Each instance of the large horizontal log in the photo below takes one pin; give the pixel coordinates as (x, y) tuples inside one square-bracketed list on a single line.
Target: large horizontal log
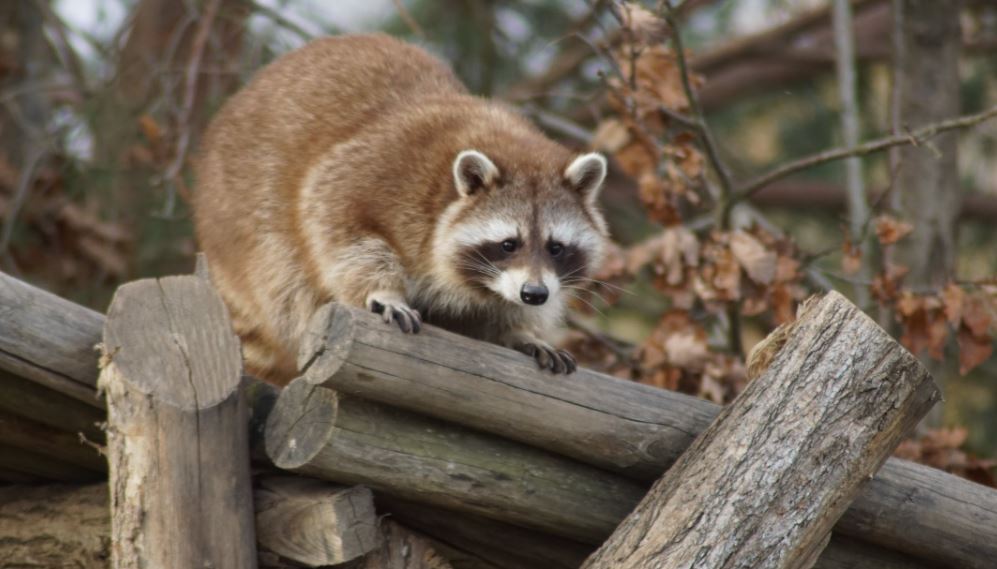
[(908, 507), (321, 433), (763, 485), (24, 434), (631, 428), (68, 525)]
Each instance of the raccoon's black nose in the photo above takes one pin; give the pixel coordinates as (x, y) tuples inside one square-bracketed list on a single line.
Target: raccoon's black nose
[(535, 294)]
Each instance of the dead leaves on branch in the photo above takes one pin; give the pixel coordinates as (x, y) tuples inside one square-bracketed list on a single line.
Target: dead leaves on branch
[(942, 449)]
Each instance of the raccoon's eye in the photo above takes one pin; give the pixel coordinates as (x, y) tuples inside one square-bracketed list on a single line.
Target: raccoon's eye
[(555, 248), (509, 245)]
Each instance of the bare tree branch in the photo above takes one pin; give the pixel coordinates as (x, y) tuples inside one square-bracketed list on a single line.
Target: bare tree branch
[(914, 138)]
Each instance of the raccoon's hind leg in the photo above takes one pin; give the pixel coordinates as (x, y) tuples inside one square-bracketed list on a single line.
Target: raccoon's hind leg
[(369, 274)]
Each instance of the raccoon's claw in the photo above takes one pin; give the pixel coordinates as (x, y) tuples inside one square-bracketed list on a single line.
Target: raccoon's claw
[(548, 357), (409, 320)]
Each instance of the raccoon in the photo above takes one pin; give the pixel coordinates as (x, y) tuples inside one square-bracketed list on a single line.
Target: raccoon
[(358, 169)]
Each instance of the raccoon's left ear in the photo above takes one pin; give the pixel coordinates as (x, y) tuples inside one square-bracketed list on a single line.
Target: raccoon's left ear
[(473, 171), (585, 175)]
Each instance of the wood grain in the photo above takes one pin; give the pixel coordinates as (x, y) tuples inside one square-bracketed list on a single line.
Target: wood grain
[(313, 522), (764, 484), (177, 440), (317, 432)]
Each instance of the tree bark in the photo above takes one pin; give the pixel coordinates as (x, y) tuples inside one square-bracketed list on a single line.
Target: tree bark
[(177, 440), (313, 522), (764, 484), (317, 432), (402, 549)]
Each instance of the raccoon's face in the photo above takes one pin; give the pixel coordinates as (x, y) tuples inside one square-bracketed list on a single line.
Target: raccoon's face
[(525, 237)]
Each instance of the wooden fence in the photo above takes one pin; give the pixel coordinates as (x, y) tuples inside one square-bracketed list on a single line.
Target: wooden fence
[(480, 459)]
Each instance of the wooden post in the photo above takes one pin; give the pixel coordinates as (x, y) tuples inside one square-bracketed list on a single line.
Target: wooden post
[(321, 433), (177, 440), (762, 486), (628, 427), (313, 522)]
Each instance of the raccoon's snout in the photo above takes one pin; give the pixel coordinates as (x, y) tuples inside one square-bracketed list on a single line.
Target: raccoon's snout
[(535, 294)]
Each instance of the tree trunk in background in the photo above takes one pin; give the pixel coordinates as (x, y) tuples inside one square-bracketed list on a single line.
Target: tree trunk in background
[(166, 72), (928, 179), (22, 58)]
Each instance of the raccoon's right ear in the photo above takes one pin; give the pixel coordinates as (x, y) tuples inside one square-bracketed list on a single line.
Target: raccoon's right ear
[(473, 171)]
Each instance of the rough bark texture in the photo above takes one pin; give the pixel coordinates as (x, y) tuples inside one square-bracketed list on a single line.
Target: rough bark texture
[(402, 549), (766, 481), (909, 507), (320, 433), (313, 522), (42, 527), (485, 540), (177, 441)]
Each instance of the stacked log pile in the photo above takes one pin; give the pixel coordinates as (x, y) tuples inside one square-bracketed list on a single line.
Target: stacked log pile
[(488, 462)]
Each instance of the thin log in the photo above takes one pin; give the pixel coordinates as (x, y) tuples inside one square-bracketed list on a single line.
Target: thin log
[(402, 549), (177, 440), (627, 427), (619, 425), (35, 319), (55, 526), (764, 484), (495, 543), (321, 433), (40, 467), (22, 397), (313, 522)]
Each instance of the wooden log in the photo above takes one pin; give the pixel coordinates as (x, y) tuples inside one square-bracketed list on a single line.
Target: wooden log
[(21, 433), (33, 321), (177, 440), (403, 549), (313, 522), (321, 433), (622, 425), (764, 484), (494, 543), (44, 468), (54, 526), (22, 397)]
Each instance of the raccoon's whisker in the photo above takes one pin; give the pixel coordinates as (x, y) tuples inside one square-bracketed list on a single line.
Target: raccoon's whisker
[(592, 306), (598, 282), (592, 292)]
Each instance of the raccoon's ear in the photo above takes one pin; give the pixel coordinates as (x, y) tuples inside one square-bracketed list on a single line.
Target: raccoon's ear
[(473, 172), (585, 175)]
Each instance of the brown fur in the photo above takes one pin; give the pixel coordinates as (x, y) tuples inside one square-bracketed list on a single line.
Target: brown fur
[(326, 176)]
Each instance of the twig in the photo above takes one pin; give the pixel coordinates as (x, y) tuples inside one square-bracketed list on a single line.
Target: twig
[(914, 138), (709, 144), (411, 22), (198, 45), (281, 21)]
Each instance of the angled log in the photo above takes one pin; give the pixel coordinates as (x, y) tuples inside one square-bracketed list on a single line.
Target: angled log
[(21, 397), (595, 418), (177, 440), (486, 541), (313, 522), (318, 432), (764, 484)]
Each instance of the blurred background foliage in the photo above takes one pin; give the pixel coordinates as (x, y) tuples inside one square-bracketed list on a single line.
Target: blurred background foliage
[(103, 102)]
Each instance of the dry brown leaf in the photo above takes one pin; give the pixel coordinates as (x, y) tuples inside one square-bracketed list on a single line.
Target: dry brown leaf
[(889, 230), (647, 27), (976, 315), (758, 262), (973, 349), (851, 257), (953, 297), (611, 136)]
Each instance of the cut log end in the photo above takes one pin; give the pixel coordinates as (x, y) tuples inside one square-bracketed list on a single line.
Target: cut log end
[(300, 424), (183, 309)]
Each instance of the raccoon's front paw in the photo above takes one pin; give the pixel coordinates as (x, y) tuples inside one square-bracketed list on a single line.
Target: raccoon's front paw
[(548, 357), (392, 306)]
